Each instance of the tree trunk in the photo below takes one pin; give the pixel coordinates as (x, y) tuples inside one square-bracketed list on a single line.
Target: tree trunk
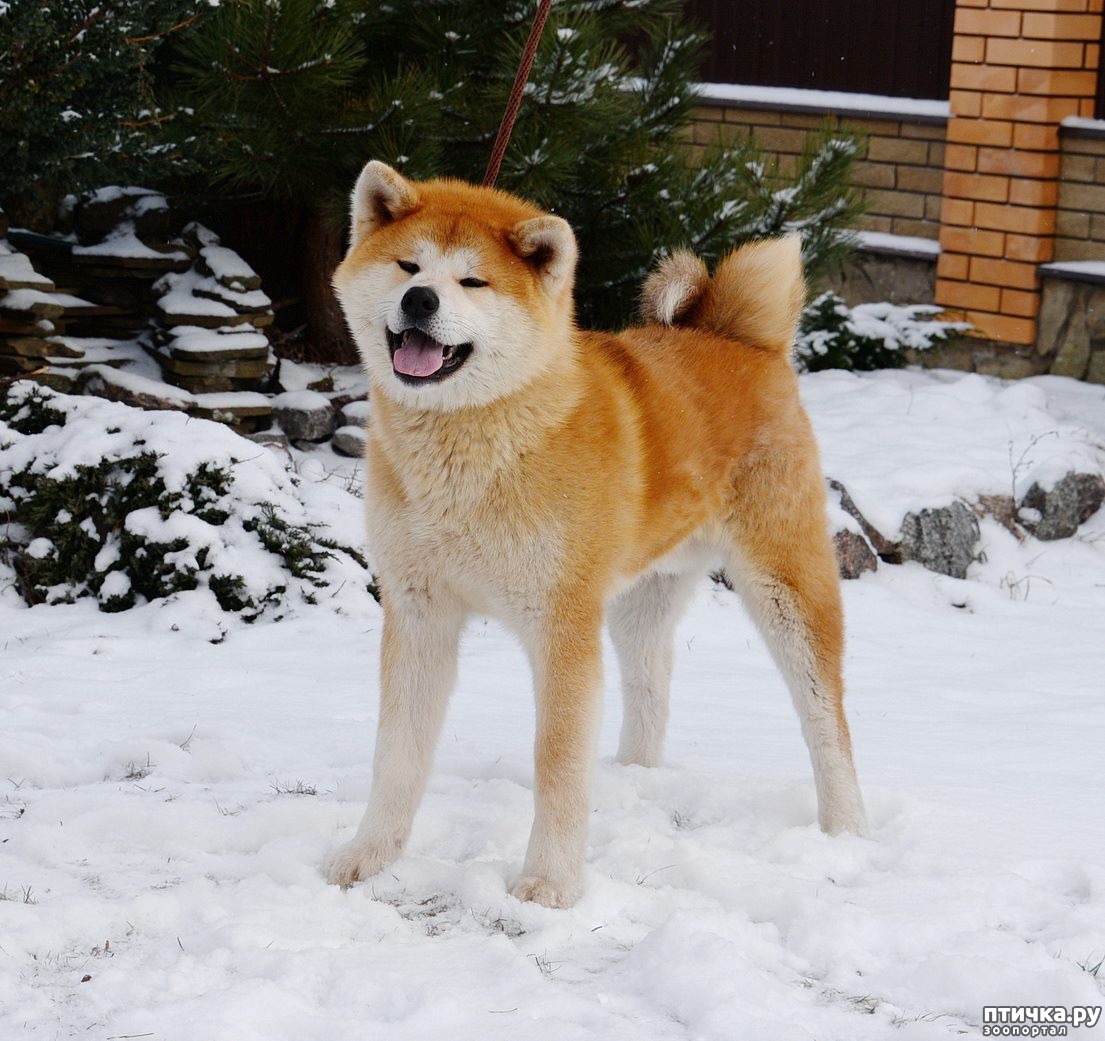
[(295, 248), (321, 248)]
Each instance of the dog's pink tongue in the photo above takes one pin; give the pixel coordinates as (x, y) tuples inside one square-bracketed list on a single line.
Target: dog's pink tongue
[(420, 355)]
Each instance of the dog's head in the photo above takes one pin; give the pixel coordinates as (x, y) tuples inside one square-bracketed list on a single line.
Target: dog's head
[(456, 295)]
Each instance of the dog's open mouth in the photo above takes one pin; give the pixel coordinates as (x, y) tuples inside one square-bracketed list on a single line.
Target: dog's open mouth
[(417, 357)]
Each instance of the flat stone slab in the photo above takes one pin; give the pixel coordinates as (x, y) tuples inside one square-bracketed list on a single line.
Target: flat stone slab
[(119, 385), (192, 298), (29, 326), (244, 411), (249, 369), (14, 364), (39, 346), (29, 305), (193, 343), (197, 319), (17, 272)]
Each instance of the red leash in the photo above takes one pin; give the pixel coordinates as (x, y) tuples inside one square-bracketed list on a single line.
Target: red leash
[(506, 127)]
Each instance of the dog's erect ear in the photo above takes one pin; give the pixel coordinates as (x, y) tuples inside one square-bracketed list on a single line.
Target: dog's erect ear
[(381, 195), (549, 244)]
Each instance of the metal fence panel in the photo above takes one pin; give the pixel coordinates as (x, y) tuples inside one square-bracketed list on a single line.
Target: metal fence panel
[(897, 47)]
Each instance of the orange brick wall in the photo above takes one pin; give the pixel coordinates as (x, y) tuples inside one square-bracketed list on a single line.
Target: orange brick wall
[(900, 170), (1019, 67)]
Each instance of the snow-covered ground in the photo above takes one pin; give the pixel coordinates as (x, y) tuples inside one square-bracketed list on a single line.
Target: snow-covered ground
[(168, 801)]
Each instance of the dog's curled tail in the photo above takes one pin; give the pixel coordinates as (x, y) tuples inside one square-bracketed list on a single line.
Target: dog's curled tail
[(755, 296)]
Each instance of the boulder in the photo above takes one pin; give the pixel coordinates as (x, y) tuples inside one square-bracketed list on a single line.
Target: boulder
[(1003, 509), (273, 439), (98, 213), (355, 413), (349, 440), (854, 554), (1056, 514), (942, 539), (304, 415), (884, 547)]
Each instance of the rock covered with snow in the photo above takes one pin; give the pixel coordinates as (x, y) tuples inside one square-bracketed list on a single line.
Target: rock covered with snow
[(1058, 512), (17, 271), (211, 319), (99, 213), (355, 413), (104, 381), (304, 415), (349, 441), (219, 262)]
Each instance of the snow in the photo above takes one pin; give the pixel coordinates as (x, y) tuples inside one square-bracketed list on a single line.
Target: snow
[(1089, 270), (16, 267), (301, 400), (1082, 123), (884, 242), (226, 265), (231, 399), (25, 299), (299, 375), (179, 296), (170, 800), (123, 242), (119, 355), (932, 436), (828, 100), (192, 338), (358, 411), (114, 192), (139, 384)]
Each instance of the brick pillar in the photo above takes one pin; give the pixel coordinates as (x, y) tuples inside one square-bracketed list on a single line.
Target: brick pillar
[(1019, 67)]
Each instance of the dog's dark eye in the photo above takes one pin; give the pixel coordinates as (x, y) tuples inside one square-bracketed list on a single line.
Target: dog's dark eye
[(409, 266), (473, 283)]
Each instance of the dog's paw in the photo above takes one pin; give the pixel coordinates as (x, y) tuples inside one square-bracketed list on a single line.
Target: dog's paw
[(544, 891), (355, 862), (847, 824), (844, 815)]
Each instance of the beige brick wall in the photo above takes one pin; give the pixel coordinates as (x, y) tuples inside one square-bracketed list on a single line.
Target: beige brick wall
[(1080, 219), (901, 169)]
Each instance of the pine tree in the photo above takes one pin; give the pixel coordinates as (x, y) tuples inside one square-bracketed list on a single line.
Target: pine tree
[(291, 97), (601, 138), (76, 95)]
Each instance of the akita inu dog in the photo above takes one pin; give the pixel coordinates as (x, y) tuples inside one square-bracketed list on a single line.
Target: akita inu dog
[(558, 479)]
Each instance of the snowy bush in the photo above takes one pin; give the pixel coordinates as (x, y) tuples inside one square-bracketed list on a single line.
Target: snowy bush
[(101, 500), (833, 335)]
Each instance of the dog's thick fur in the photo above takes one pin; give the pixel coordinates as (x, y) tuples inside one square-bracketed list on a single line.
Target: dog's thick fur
[(560, 479)]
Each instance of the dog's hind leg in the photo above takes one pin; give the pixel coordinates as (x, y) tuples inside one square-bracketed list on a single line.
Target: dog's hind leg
[(418, 665), (782, 563), (642, 624)]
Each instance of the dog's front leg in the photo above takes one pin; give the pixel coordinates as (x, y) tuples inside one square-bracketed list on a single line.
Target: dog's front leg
[(568, 674), (418, 666)]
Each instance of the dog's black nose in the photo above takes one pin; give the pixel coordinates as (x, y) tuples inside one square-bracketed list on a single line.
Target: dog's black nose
[(420, 302)]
